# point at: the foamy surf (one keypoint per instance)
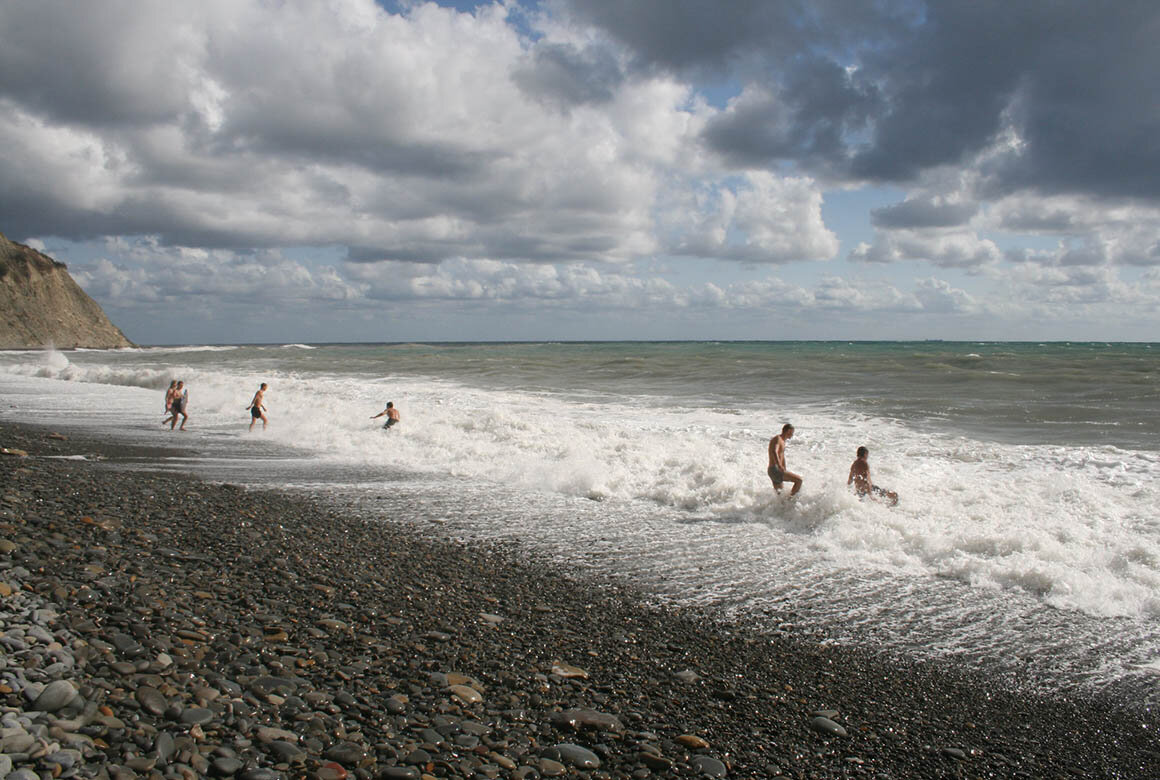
(669, 490)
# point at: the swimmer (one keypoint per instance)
(392, 415)
(860, 477)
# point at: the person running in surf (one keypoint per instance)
(860, 477)
(777, 471)
(180, 404)
(257, 408)
(392, 415)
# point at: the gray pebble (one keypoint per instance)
(225, 767)
(197, 715)
(164, 747)
(418, 757)
(260, 774)
(399, 773)
(708, 766)
(347, 753)
(827, 727)
(22, 774)
(550, 768)
(151, 700)
(286, 752)
(55, 696)
(577, 756)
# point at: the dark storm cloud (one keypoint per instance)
(807, 119)
(933, 84)
(565, 75)
(922, 213)
(712, 36)
(69, 65)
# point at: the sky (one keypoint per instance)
(248, 171)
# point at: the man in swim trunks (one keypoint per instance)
(392, 415)
(777, 471)
(860, 477)
(257, 410)
(180, 403)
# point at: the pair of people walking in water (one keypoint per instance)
(859, 475)
(176, 403)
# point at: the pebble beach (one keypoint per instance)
(157, 626)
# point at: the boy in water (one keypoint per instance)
(257, 409)
(392, 415)
(860, 477)
(180, 404)
(776, 471)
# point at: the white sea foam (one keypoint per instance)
(683, 497)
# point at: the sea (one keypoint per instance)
(1026, 541)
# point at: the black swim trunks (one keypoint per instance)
(256, 412)
(776, 475)
(389, 423)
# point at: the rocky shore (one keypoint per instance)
(157, 626)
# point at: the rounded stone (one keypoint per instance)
(55, 696)
(466, 694)
(550, 768)
(827, 727)
(151, 700)
(195, 716)
(579, 757)
(347, 753)
(225, 767)
(709, 767)
(418, 757)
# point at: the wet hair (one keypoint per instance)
(863, 452)
(263, 385)
(390, 405)
(786, 428)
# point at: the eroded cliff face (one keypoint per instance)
(41, 305)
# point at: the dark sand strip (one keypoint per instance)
(208, 630)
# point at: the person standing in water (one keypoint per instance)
(860, 478)
(257, 408)
(777, 471)
(170, 395)
(392, 415)
(180, 404)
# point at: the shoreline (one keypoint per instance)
(214, 630)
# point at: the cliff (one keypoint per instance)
(41, 305)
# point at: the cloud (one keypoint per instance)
(148, 273)
(918, 213)
(339, 124)
(887, 91)
(760, 219)
(943, 248)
